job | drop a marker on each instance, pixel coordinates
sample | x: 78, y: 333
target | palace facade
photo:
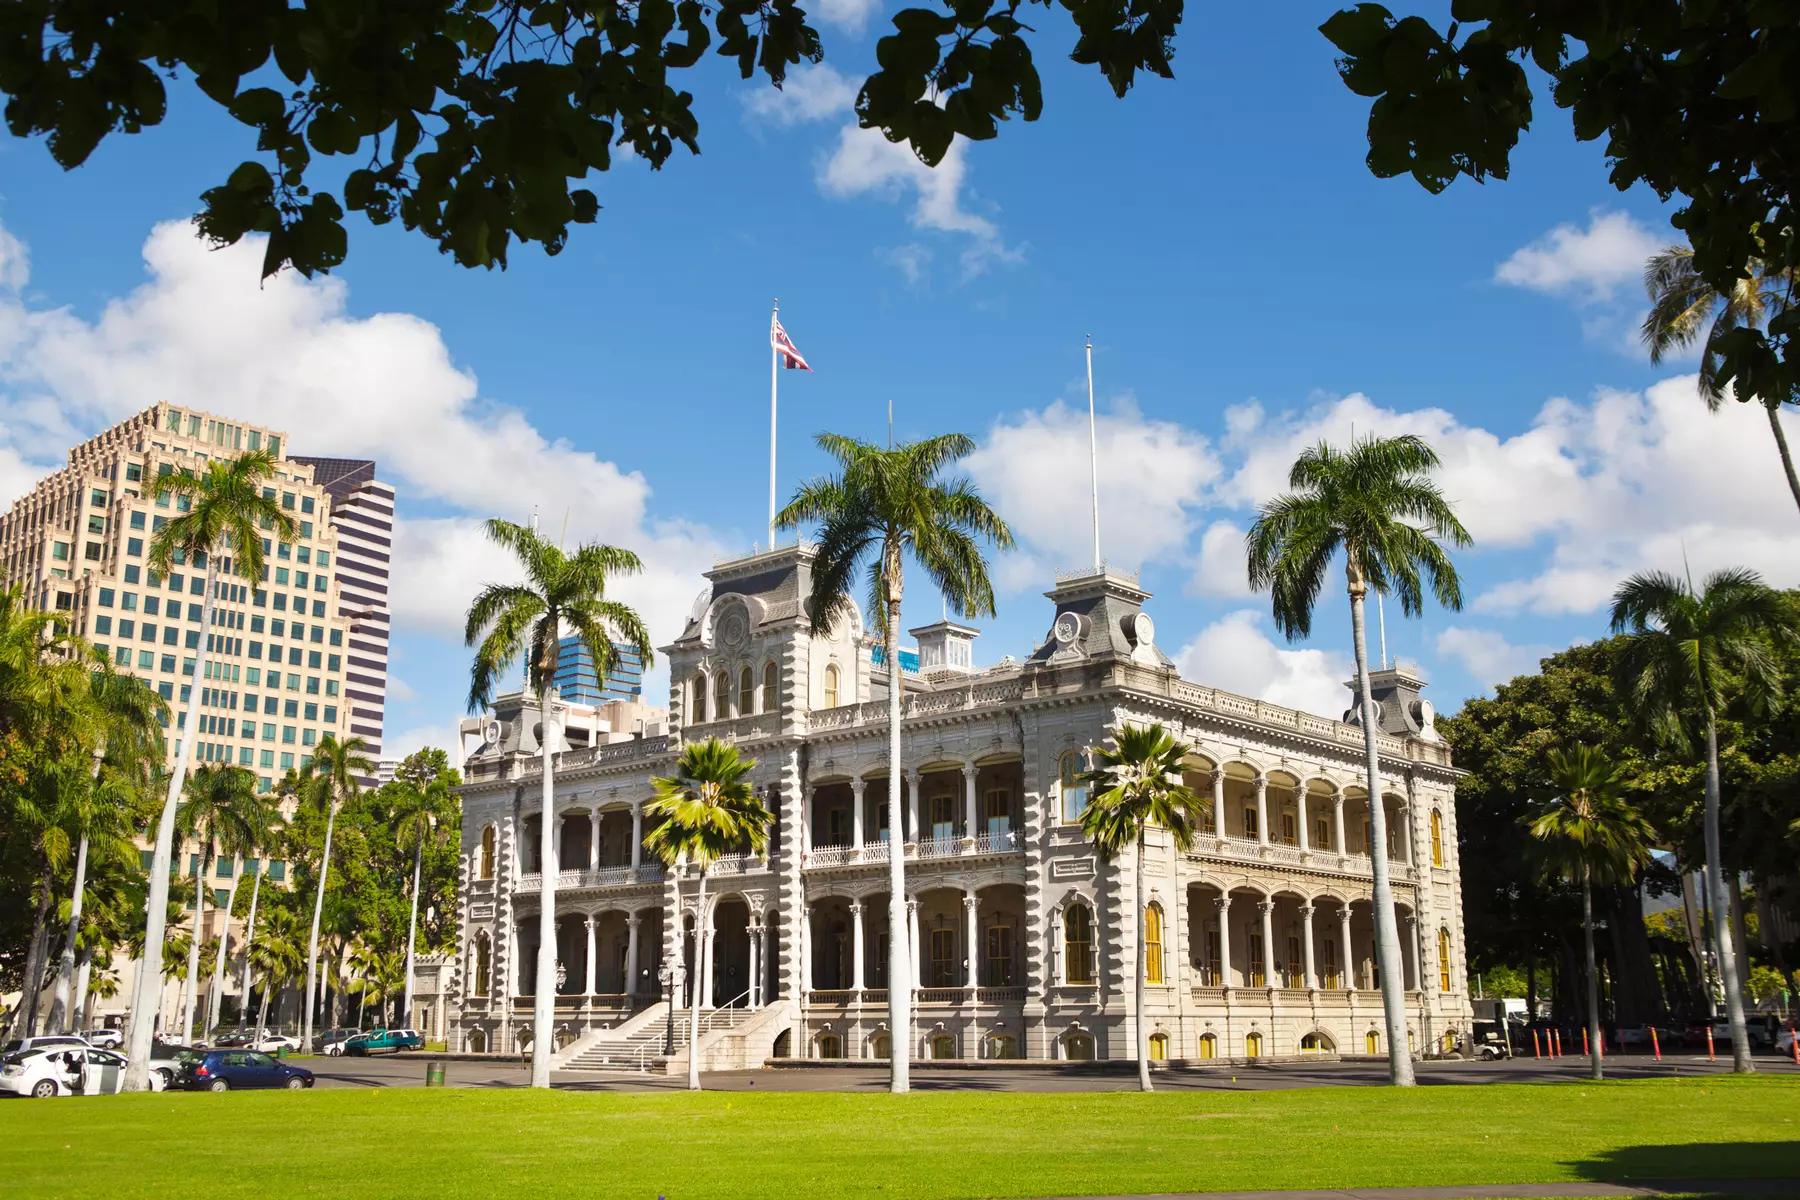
x: 1259, y: 935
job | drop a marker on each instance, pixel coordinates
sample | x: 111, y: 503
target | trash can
x: 434, y: 1074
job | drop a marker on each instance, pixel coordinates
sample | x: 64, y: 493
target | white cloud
x: 15, y: 262
x: 1221, y: 570
x: 1589, y: 265
x: 866, y: 163
x: 810, y: 93
x: 1236, y: 654
x: 442, y: 737
x: 911, y: 259
x: 1153, y: 474
x: 852, y: 16
x: 1487, y: 655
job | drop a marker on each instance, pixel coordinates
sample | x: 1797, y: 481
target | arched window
x: 698, y: 716
x: 884, y: 1046
x: 482, y: 965
x: 831, y: 686
x: 1209, y: 1046
x: 722, y: 696
x: 1003, y: 1045
x: 1437, y: 838
x: 1078, y: 1047
x: 1159, y: 1047
x: 746, y: 692
x: 487, y: 853
x: 830, y: 1046
x: 1371, y: 1042
x: 1253, y: 1045
x: 771, y: 688
x: 477, y: 1041
x: 1443, y: 960
x: 1153, y: 943
x: 943, y: 1046
x: 1074, y: 789
x: 1078, y: 944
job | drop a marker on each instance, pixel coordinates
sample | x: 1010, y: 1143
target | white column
x: 1223, y: 904
x: 1402, y: 827
x: 807, y: 825
x: 856, y: 814
x: 1306, y: 939
x: 1059, y: 967
x: 1411, y: 939
x: 755, y: 932
x: 971, y: 925
x: 1345, y: 949
x: 1218, y: 786
x: 1267, y: 908
x: 970, y: 830
x: 1337, y: 831
x: 637, y: 832
x: 806, y: 950
x: 856, y: 945
x: 631, y: 953
x: 912, y: 932
x: 588, y: 987
x: 594, y: 840
x: 912, y: 814
x: 1262, y: 810
x: 703, y: 956
x: 1300, y: 810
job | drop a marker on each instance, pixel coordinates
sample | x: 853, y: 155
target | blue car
x: 224, y: 1070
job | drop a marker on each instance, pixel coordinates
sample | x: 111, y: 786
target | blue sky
x: 1248, y: 286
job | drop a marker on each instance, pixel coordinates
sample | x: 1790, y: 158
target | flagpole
x: 774, y: 374
x: 1093, y: 452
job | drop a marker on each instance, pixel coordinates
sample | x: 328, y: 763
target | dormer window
x: 831, y: 685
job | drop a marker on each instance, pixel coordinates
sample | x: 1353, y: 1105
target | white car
x: 55, y: 1071
x: 40, y: 1043
x: 106, y: 1039
x: 274, y: 1043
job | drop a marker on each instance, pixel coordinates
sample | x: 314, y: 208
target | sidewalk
x: 1510, y: 1191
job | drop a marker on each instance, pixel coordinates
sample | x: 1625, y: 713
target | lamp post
x: 670, y: 976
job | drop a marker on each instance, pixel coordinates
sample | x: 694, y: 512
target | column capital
x: 969, y: 769
x: 636, y: 919
x: 1265, y: 907
x: 913, y: 775
x: 1261, y: 781
x: 971, y: 902
x: 1337, y: 796
x: 1306, y: 911
x: 592, y: 919
x: 1216, y: 776
x: 912, y: 906
x: 857, y: 786
x: 1222, y: 903
x: 856, y: 907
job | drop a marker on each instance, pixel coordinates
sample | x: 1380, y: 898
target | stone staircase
x: 731, y: 1037
x: 631, y: 1045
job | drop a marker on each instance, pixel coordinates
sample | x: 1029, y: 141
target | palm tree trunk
x: 1138, y: 997
x: 1781, y: 444
x: 1595, y: 1068
x: 190, y: 987
x: 215, y: 994
x: 312, y: 945
x: 1387, y: 931
x: 65, y: 967
x: 700, y: 940
x: 1721, y: 909
x: 412, y: 931
x: 249, y: 944
x: 149, y: 979
x: 902, y: 972
x: 543, y: 1005
x: 262, y: 1013
x: 84, y: 963
x: 25, y: 1022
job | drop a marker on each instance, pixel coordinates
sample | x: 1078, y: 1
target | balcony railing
x: 1240, y: 849
x: 874, y: 853
x: 603, y: 877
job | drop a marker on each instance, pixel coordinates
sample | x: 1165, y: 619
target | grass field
x: 936, y: 1146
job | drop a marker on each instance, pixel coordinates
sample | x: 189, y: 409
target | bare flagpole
x: 1093, y: 452
x: 774, y: 374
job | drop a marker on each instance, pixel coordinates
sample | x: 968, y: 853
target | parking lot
x: 408, y: 1070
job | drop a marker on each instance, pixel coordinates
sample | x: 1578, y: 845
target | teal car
x: 378, y: 1041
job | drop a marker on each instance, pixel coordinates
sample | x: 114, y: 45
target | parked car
x: 377, y: 1041
x: 275, y: 1043
x: 223, y: 1070
x: 106, y: 1039
x: 1721, y: 1034
x: 1637, y: 1037
x: 166, y: 1059
x: 332, y: 1040
x: 39, y: 1043
x: 62, y: 1071
x: 233, y: 1041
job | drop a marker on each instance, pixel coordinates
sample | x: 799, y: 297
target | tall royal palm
x: 1376, y: 505
x: 561, y: 593
x: 338, y: 769
x: 223, y: 814
x: 220, y: 531
x: 247, y: 825
x: 705, y: 810
x: 1685, y: 309
x: 1590, y: 835
x: 290, y: 788
x: 879, y: 506
x: 418, y: 814
x: 1136, y: 784
x: 1696, y: 650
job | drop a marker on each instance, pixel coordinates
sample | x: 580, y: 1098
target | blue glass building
x: 579, y: 683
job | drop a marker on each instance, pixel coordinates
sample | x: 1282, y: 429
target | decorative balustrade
x: 943, y: 847
x: 1002, y: 842
x: 830, y: 856
x: 943, y: 995
x: 530, y: 882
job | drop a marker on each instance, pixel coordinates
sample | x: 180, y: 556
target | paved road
x: 409, y: 1071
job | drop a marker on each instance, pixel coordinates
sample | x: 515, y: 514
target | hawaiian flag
x: 784, y: 346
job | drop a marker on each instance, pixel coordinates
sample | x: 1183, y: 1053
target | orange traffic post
x: 1711, y: 1056
x: 1537, y: 1053
x: 1655, y: 1046
x: 1796, y: 1047
x: 1601, y: 1034
x: 1557, y: 1034
x: 1584, y: 1041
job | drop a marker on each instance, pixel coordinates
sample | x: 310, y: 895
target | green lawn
x: 798, y: 1146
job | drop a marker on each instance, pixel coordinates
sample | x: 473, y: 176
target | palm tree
x: 336, y: 773
x: 240, y: 838
x: 507, y: 620
x: 1137, y: 784
x: 289, y: 788
x: 417, y: 817
x: 124, y: 711
x: 1694, y: 650
x: 1683, y: 304
x: 221, y: 530
x: 276, y: 953
x: 221, y: 813
x: 704, y: 810
x: 881, y: 504
x: 1590, y: 835
x: 1377, y: 505
x: 379, y: 975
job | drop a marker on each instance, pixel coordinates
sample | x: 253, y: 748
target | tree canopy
x: 469, y: 120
